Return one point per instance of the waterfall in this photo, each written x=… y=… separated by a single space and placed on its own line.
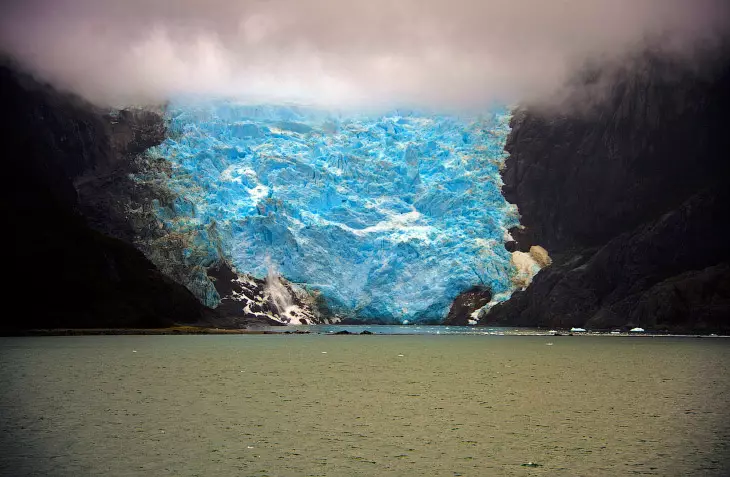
x=280 y=297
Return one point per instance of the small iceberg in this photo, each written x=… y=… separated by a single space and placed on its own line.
x=579 y=330
x=636 y=330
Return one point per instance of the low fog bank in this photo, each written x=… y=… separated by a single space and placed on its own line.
x=460 y=54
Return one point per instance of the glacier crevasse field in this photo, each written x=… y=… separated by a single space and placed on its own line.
x=388 y=216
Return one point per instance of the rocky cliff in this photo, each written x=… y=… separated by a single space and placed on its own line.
x=60 y=272
x=629 y=195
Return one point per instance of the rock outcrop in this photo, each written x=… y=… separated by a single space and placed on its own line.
x=464 y=306
x=629 y=197
x=108 y=196
x=246 y=300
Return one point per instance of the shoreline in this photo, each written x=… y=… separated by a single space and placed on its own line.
x=201 y=330
x=173 y=330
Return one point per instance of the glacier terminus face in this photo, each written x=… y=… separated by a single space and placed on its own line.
x=389 y=217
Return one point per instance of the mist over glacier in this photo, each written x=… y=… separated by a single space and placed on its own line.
x=460 y=54
x=388 y=216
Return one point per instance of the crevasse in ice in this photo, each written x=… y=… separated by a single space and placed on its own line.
x=388 y=216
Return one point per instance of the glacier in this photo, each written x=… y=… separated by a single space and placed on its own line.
x=387 y=217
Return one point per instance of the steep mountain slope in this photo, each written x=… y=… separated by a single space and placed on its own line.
x=629 y=195
x=60 y=272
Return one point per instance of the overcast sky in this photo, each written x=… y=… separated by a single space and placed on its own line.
x=435 y=53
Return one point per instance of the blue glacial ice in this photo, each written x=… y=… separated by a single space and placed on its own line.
x=389 y=216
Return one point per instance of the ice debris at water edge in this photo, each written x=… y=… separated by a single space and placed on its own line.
x=388 y=217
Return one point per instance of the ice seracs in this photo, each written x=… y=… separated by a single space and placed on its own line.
x=389 y=217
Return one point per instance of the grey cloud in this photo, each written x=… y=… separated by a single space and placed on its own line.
x=435 y=53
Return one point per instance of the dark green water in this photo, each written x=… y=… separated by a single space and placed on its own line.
x=281 y=406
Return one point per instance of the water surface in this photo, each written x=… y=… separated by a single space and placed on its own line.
x=297 y=405
x=409 y=329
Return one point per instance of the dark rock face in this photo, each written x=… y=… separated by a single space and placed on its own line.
x=61 y=272
x=108 y=196
x=465 y=304
x=629 y=198
x=654 y=139
x=703 y=295
x=119 y=198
